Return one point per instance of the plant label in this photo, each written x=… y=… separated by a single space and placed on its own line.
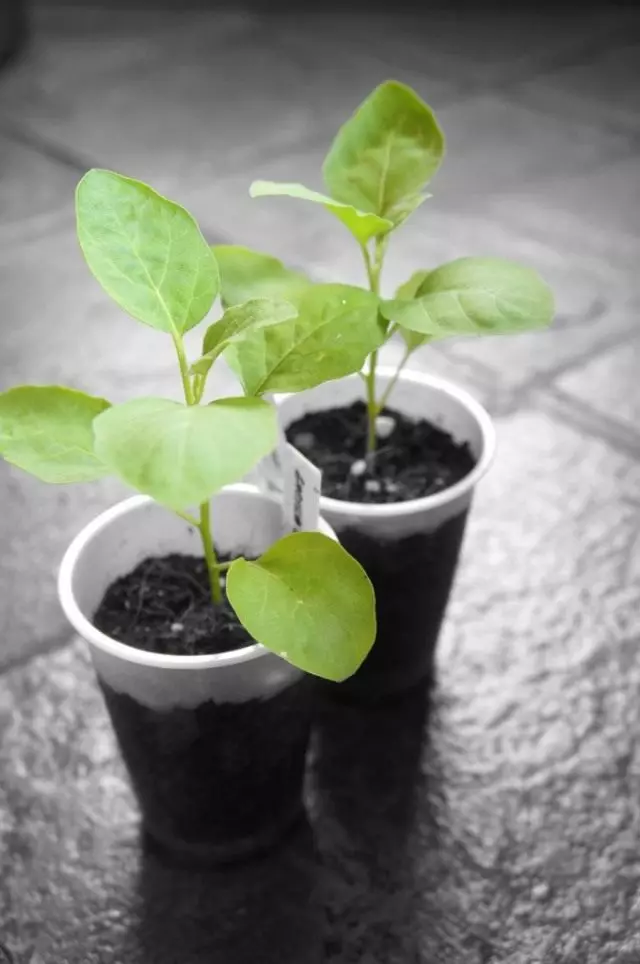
x=302 y=487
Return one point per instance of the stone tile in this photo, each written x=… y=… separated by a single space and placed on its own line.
x=36 y=525
x=497 y=821
x=602 y=88
x=228 y=95
x=34 y=192
x=495 y=144
x=473 y=45
x=593 y=215
x=609 y=384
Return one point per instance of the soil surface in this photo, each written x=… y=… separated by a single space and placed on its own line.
x=164 y=606
x=415 y=459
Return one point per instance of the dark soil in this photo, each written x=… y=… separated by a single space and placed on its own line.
x=417 y=459
x=164 y=606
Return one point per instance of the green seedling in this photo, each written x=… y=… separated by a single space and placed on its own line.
x=375 y=173
x=305 y=598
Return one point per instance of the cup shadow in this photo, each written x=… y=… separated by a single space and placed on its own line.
x=367 y=761
x=264 y=909
x=367 y=796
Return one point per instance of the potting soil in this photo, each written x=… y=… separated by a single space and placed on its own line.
x=416 y=459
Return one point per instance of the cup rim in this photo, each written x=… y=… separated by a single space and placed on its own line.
x=395 y=510
x=85 y=628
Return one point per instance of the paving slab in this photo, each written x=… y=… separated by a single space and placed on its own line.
x=495 y=821
x=34 y=192
x=594 y=216
x=603 y=87
x=228 y=95
x=609 y=384
x=479 y=46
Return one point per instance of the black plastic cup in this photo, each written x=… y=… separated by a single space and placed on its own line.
x=215 y=745
x=410 y=550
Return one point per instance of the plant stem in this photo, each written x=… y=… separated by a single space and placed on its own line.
x=192 y=395
x=213 y=566
x=392 y=384
x=374 y=267
x=372 y=407
x=188 y=518
x=184 y=370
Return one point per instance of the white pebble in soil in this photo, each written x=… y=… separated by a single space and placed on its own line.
x=177 y=627
x=304 y=440
x=372 y=485
x=385 y=425
x=358 y=468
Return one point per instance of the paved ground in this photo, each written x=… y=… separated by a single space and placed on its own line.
x=511 y=834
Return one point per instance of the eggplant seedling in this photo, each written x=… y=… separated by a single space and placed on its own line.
x=375 y=173
x=305 y=598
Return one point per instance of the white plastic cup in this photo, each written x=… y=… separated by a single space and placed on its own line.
x=409 y=549
x=215 y=744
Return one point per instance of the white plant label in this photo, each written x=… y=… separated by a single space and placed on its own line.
x=302 y=488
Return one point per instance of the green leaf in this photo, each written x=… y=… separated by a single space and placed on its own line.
x=406 y=291
x=362 y=224
x=48 y=432
x=180 y=455
x=411 y=288
x=234 y=325
x=337 y=327
x=382 y=158
x=475 y=296
x=309 y=601
x=146 y=252
x=247 y=274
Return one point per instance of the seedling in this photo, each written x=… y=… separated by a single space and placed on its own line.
x=376 y=173
x=305 y=598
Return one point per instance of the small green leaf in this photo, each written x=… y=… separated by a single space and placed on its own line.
x=247 y=274
x=475 y=296
x=382 y=158
x=48 y=432
x=147 y=252
x=407 y=291
x=337 y=327
x=362 y=224
x=403 y=209
x=234 y=325
x=180 y=455
x=309 y=601
x=411 y=288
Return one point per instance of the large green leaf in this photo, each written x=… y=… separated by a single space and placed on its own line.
x=362 y=224
x=236 y=322
x=475 y=296
x=336 y=329
x=247 y=274
x=180 y=455
x=48 y=432
x=146 y=252
x=382 y=158
x=309 y=601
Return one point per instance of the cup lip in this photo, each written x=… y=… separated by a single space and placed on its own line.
x=85 y=628
x=428 y=503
